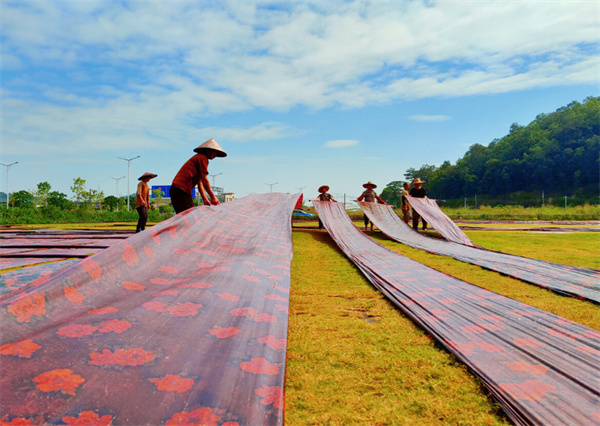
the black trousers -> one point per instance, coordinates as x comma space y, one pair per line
181, 200
143, 213
415, 220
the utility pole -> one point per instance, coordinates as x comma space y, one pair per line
214, 176
542, 198
129, 160
7, 169
117, 179
271, 185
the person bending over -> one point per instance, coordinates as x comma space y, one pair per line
195, 172
324, 196
370, 197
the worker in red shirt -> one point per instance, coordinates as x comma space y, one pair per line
195, 172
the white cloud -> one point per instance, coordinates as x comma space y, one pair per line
262, 132
96, 76
341, 143
427, 118
238, 55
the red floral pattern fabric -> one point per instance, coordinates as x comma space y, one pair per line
542, 368
185, 323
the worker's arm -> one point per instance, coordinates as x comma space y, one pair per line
205, 189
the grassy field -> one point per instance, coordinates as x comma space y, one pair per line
354, 359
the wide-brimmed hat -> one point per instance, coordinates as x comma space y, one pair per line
147, 175
418, 180
212, 144
369, 184
323, 188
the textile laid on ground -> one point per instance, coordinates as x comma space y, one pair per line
569, 280
184, 323
34, 275
432, 213
22, 248
543, 369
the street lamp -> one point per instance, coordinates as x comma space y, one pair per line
118, 179
214, 176
300, 187
129, 160
271, 185
7, 169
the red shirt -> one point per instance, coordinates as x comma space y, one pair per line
189, 175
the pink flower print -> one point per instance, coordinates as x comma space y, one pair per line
275, 297
73, 295
224, 332
272, 342
264, 317
173, 383
259, 366
527, 367
271, 395
529, 390
227, 296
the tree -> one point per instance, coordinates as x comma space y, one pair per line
391, 193
22, 199
93, 198
424, 172
78, 189
111, 202
60, 200
157, 195
41, 195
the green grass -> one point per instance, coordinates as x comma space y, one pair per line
354, 359
582, 212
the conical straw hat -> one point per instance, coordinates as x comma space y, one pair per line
147, 174
369, 184
212, 144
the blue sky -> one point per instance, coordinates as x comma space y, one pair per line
299, 94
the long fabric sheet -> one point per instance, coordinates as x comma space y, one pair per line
568, 280
432, 213
185, 323
543, 369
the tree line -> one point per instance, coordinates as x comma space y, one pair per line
83, 198
558, 153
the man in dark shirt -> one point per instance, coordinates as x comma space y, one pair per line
195, 172
418, 192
